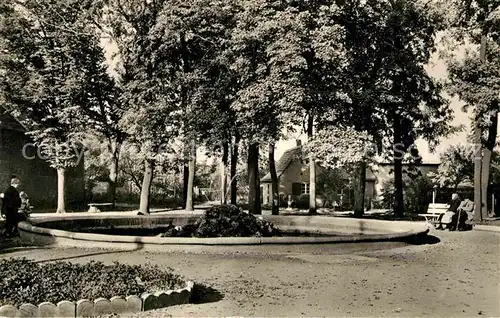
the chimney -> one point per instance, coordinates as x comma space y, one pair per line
299, 142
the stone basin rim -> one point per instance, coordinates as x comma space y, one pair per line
392, 230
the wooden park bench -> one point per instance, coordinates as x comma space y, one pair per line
94, 207
434, 211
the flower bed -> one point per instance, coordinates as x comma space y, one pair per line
24, 281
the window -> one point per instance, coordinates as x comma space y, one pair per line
305, 188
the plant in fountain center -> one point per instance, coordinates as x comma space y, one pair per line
225, 221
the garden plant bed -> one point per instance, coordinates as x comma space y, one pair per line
65, 289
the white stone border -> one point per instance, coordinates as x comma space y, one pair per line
102, 306
348, 230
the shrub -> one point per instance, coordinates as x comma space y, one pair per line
229, 220
329, 184
417, 196
347, 205
302, 202
388, 195
378, 204
224, 221
24, 281
283, 201
267, 207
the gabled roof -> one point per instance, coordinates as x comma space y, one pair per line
8, 121
370, 176
466, 184
295, 153
283, 163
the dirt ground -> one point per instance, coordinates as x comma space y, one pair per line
455, 274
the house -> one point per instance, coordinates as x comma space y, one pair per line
38, 179
293, 177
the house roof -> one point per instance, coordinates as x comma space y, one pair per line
466, 184
8, 121
370, 176
294, 153
283, 163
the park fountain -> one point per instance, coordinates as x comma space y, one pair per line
87, 231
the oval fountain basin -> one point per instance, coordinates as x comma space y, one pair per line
101, 231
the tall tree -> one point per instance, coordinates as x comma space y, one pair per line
103, 118
290, 57
361, 63
412, 99
457, 165
320, 34
475, 80
147, 80
54, 67
195, 34
387, 91
260, 56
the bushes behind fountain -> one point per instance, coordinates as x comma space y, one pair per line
224, 221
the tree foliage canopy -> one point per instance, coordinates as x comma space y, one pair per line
456, 166
341, 147
53, 70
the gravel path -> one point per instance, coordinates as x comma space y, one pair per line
456, 277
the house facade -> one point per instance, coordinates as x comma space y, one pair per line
38, 179
293, 177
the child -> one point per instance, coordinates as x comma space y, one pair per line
25, 208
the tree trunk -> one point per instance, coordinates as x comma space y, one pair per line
234, 165
223, 179
61, 190
359, 190
312, 169
115, 148
223, 182
478, 159
185, 179
485, 169
398, 171
274, 181
254, 205
478, 150
192, 170
146, 186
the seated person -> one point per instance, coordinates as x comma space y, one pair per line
452, 210
25, 208
465, 213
